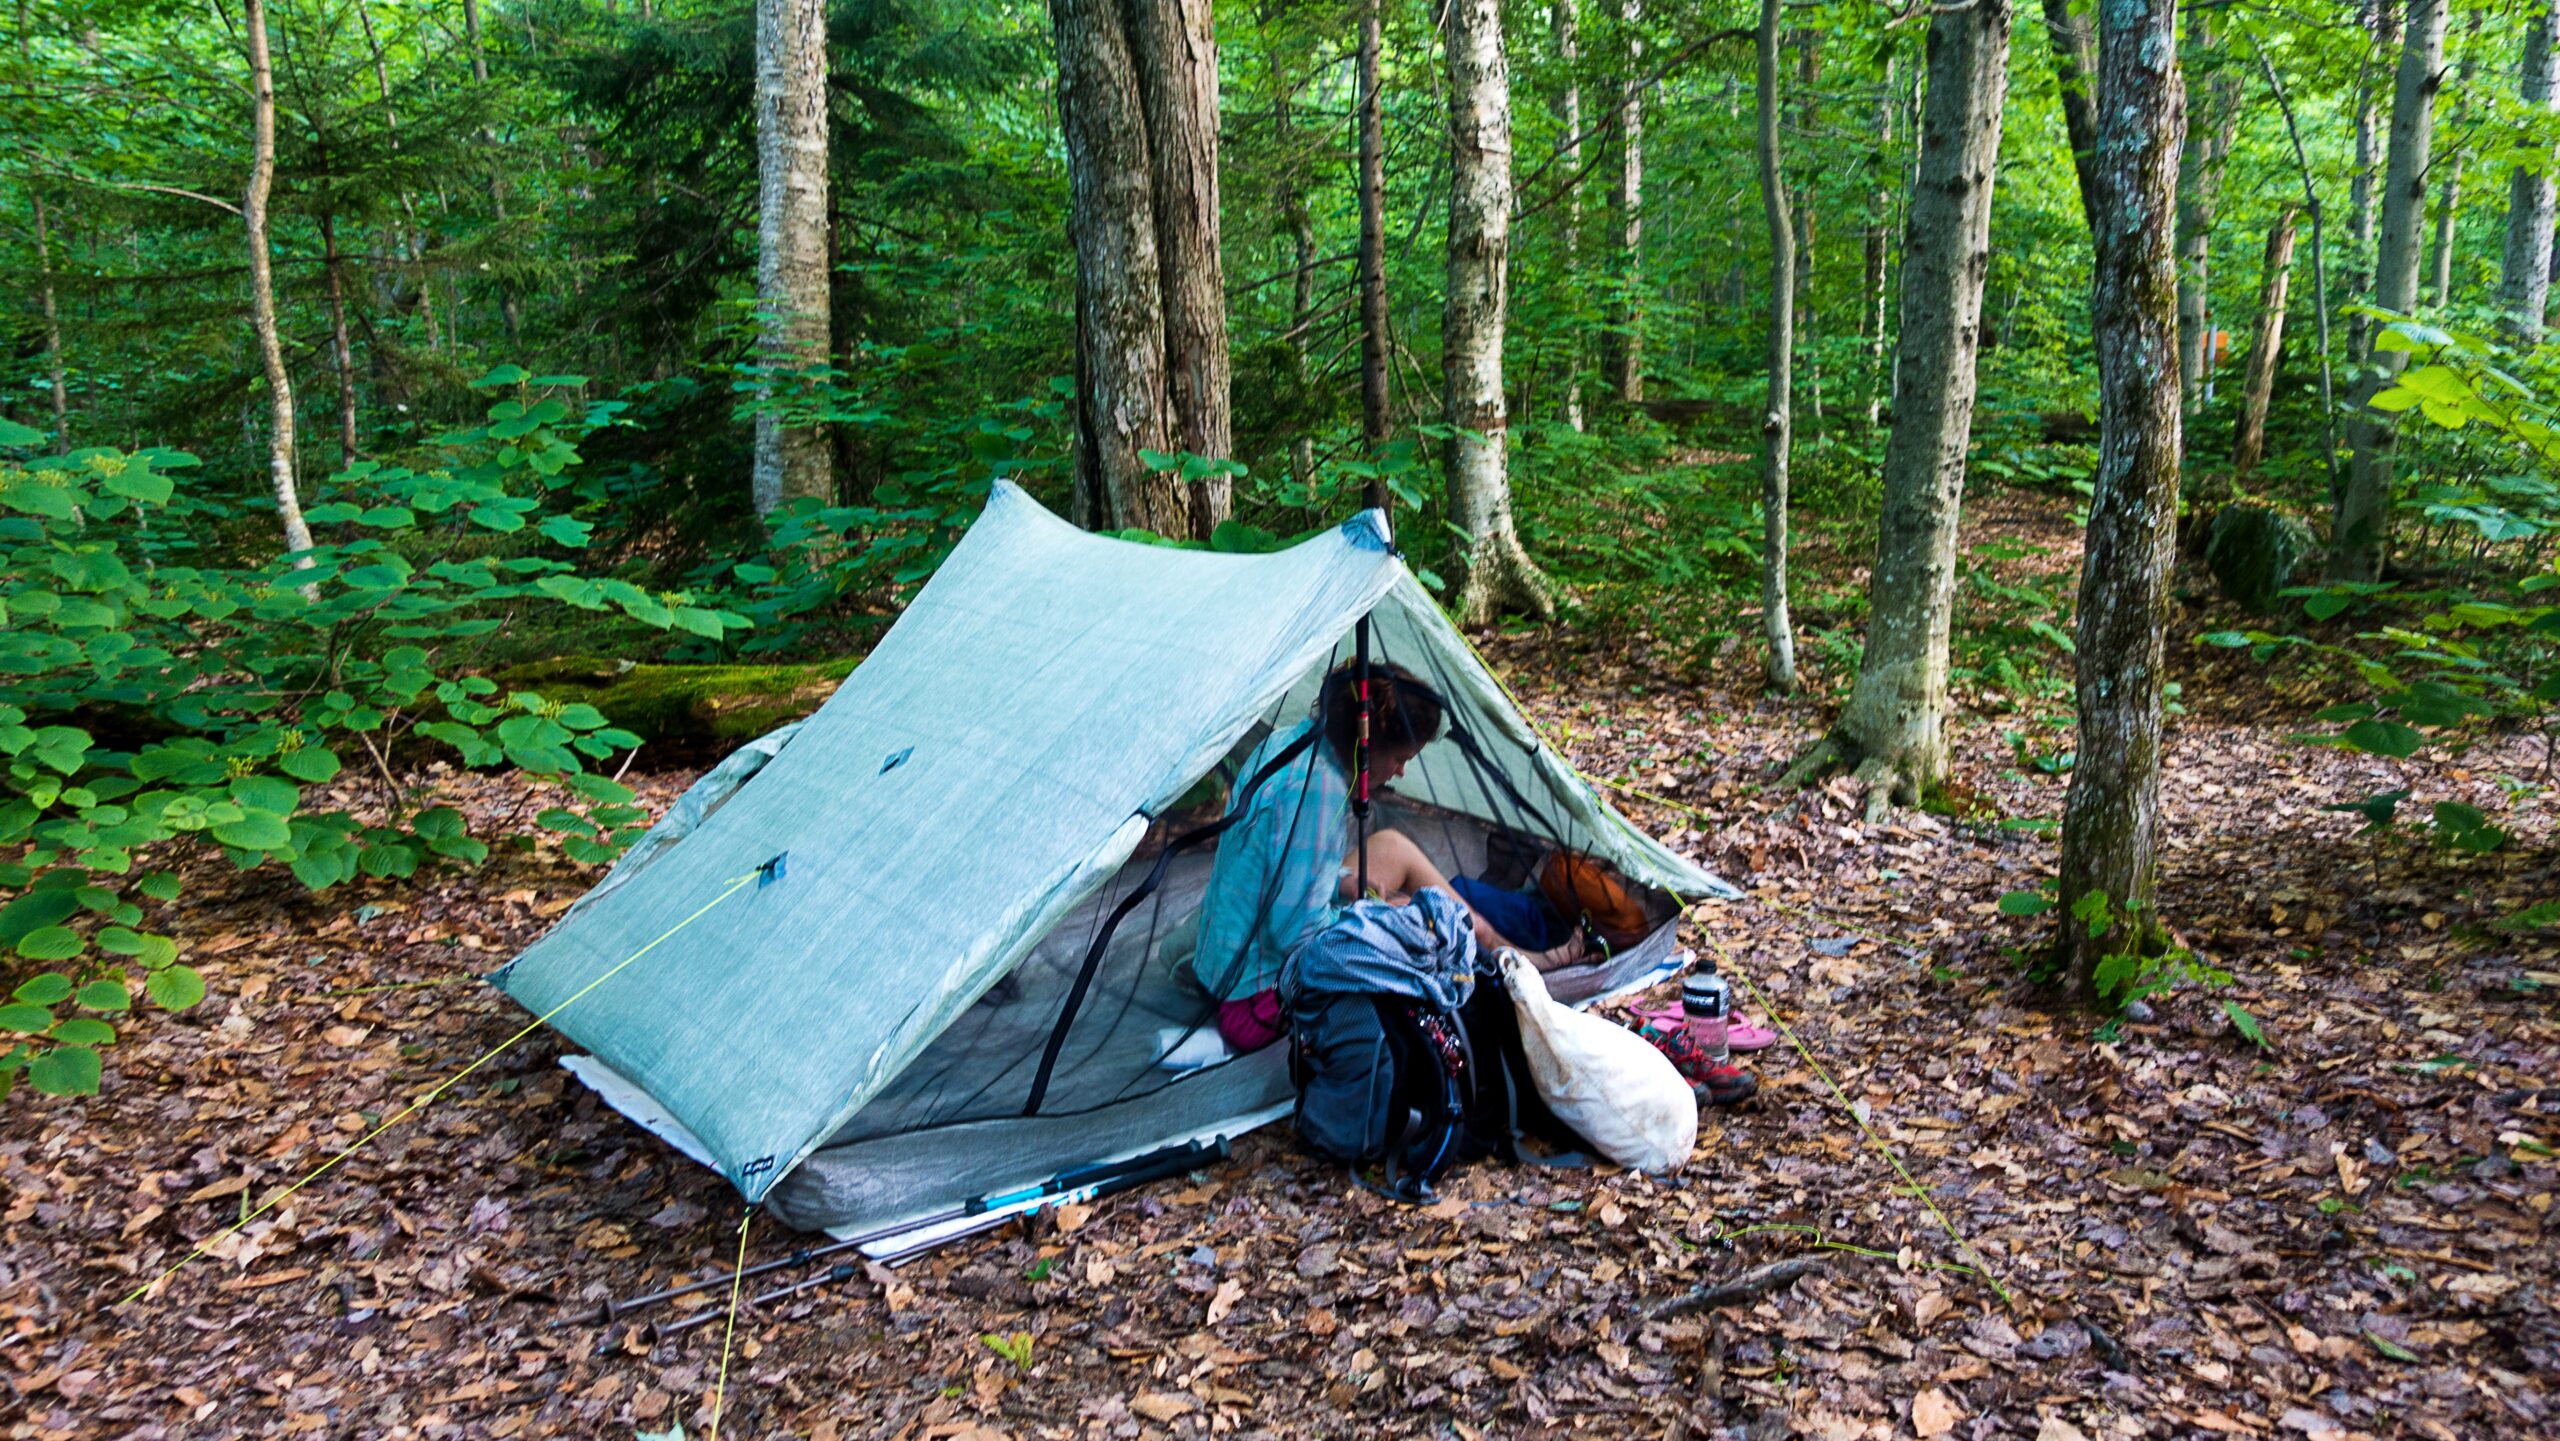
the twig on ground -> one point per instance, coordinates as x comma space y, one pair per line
1750, 1285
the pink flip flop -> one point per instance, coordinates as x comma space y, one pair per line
1739, 1034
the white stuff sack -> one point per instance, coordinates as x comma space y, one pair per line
1606, 1082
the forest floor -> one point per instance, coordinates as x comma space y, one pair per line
2168, 1232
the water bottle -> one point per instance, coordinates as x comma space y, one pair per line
1707, 1002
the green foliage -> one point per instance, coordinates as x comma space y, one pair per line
267, 712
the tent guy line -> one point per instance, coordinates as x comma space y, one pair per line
769, 870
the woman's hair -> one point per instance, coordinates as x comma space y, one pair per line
1403, 713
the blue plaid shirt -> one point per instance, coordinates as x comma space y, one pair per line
1278, 875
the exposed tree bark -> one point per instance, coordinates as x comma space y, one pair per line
2075, 65
1894, 726
2524, 288
2449, 198
342, 354
262, 287
52, 329
1137, 98
2319, 266
2382, 24
2110, 819
1777, 420
792, 461
1499, 574
1374, 427
2200, 159
2360, 528
1568, 36
2266, 347
1622, 338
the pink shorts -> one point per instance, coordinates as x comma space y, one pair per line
1252, 1023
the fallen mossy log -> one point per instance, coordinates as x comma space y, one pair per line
683, 709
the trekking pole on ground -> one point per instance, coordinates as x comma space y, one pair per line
1084, 1183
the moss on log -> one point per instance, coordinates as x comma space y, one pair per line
709, 708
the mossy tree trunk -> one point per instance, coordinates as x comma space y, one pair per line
2111, 816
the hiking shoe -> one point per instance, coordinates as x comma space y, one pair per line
1725, 1085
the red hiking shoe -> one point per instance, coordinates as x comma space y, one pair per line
1716, 1083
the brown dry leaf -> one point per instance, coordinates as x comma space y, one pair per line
1934, 1413
1162, 1406
1223, 1304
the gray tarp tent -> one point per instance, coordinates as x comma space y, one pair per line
852, 1038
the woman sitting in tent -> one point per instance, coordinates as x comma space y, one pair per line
1288, 865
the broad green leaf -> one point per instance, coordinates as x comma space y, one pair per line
83, 1031
19, 1016
52, 943
256, 831
174, 988
2384, 738
2025, 903
51, 988
107, 996
66, 1071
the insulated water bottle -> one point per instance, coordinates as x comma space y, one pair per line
1707, 1002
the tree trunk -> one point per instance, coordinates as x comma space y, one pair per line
1289, 195
2360, 529
1568, 35
1622, 339
2200, 159
1894, 726
1176, 50
2449, 198
52, 330
262, 288
2382, 25
507, 310
412, 240
1374, 427
1499, 575
2110, 820
1137, 101
2266, 347
1809, 72
2075, 64
342, 354
792, 459
2524, 288
1777, 420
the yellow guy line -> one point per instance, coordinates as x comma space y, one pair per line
737, 1276
1963, 1246
424, 1101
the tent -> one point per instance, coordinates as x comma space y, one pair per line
877, 968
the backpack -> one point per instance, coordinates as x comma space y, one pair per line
1402, 1055
1581, 887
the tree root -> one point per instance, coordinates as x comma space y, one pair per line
1750, 1285
1813, 764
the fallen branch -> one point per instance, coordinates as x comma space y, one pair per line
1749, 1286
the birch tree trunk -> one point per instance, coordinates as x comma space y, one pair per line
342, 354
2075, 65
1777, 420
1622, 339
2360, 528
52, 330
1893, 729
2449, 198
1137, 100
2206, 146
2382, 25
1374, 426
262, 286
1499, 575
1878, 240
2524, 288
2110, 819
792, 461
1568, 36
2266, 347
